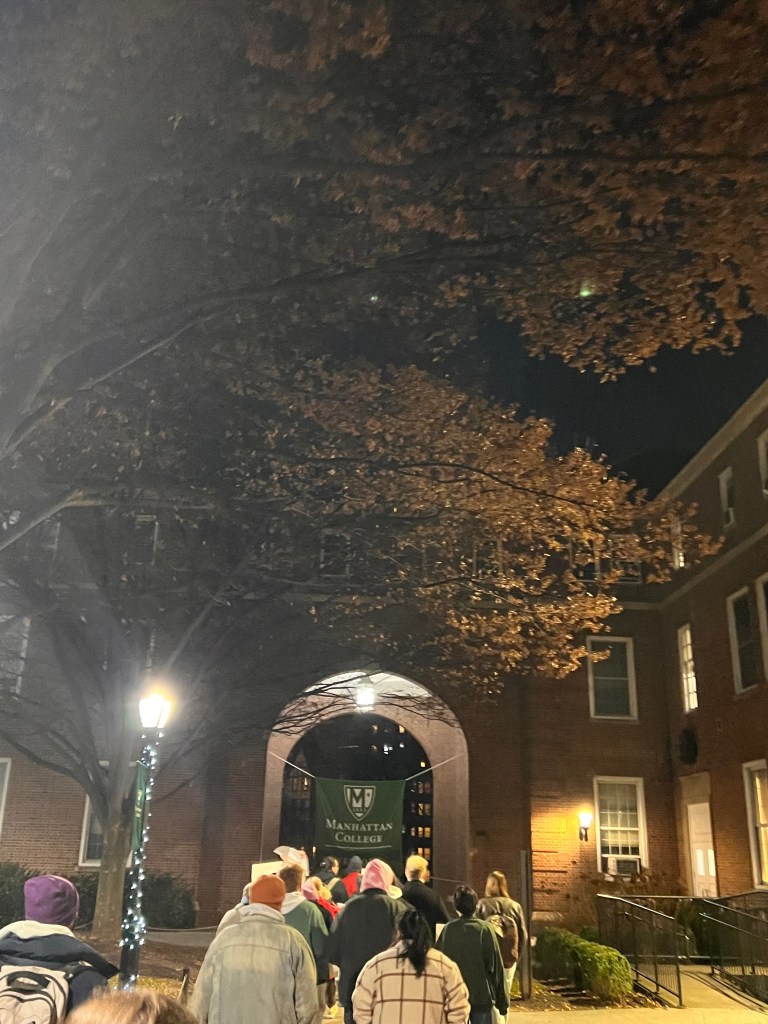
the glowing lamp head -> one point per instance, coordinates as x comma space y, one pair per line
586, 290
365, 698
154, 711
585, 819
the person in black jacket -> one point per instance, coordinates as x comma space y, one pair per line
420, 896
364, 926
45, 939
328, 873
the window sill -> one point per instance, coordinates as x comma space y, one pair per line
621, 719
746, 692
89, 864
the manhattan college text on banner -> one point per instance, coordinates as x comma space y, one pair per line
359, 817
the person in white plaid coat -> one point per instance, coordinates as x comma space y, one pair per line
410, 983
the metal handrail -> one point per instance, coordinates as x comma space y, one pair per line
739, 949
648, 938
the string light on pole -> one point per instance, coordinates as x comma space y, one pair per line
154, 711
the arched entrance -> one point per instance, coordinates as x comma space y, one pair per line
428, 719
367, 748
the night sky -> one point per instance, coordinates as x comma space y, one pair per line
649, 422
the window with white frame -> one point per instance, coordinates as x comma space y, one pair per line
687, 668
761, 588
743, 636
762, 459
727, 497
756, 793
622, 842
5, 771
612, 692
92, 838
335, 551
14, 639
678, 546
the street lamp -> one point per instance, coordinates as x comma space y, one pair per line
154, 711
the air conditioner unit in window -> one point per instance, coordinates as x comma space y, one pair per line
624, 865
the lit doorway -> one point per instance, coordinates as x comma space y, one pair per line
365, 748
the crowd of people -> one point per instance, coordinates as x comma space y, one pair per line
296, 950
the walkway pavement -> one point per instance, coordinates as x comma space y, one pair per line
635, 1016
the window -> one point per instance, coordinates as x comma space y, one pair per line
741, 627
92, 838
756, 792
334, 554
727, 506
14, 638
687, 668
5, 771
761, 586
146, 531
622, 845
762, 458
612, 691
678, 547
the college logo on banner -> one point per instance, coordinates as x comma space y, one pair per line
359, 800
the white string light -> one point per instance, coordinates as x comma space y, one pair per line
134, 926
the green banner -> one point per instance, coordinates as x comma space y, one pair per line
359, 817
139, 802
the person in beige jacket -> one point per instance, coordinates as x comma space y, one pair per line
257, 970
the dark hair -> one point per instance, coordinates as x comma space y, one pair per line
413, 929
329, 864
292, 875
465, 901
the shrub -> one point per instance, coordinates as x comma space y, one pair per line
600, 969
168, 902
12, 879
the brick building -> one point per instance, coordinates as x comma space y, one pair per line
664, 743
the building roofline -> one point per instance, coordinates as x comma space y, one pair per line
729, 432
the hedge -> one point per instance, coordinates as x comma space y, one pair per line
589, 965
167, 903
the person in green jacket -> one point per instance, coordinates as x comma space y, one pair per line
304, 915
472, 944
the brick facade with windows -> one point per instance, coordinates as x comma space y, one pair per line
666, 735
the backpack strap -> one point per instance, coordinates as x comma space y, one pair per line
72, 970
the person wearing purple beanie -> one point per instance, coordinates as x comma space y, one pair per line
45, 938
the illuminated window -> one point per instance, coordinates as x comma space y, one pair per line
92, 838
756, 791
620, 823
5, 771
687, 668
678, 547
762, 455
727, 497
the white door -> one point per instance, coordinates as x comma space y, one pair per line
702, 850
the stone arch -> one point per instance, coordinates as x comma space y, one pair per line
430, 721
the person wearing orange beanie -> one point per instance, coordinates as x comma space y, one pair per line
257, 968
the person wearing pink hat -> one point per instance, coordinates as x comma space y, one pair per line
365, 926
258, 968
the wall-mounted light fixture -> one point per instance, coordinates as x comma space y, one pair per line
365, 698
585, 824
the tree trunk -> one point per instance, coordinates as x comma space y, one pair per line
108, 915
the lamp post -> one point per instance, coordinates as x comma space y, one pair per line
154, 711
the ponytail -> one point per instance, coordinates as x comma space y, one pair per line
414, 931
